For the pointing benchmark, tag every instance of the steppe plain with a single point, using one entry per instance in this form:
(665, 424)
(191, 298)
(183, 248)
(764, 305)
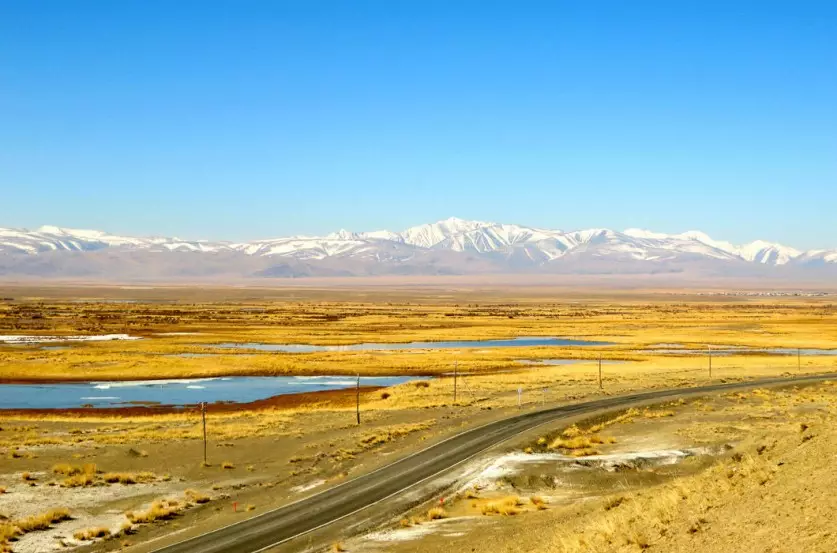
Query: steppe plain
(133, 478)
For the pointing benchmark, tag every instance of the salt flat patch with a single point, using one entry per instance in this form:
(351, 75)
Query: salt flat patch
(85, 504)
(309, 486)
(515, 463)
(38, 542)
(416, 531)
(29, 339)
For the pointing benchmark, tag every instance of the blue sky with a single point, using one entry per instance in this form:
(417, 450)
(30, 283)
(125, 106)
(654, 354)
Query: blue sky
(222, 119)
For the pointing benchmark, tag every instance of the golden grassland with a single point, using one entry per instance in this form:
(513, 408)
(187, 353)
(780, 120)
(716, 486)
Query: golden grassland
(790, 437)
(769, 476)
(630, 322)
(488, 378)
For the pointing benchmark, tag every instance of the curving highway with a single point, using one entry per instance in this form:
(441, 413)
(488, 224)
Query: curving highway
(281, 525)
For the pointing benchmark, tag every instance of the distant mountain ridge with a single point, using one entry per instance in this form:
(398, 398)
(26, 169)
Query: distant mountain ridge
(451, 246)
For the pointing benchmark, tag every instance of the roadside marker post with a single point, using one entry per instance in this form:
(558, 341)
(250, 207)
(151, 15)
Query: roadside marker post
(601, 387)
(799, 359)
(519, 397)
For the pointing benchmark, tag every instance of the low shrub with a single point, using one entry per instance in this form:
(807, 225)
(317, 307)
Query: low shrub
(91, 533)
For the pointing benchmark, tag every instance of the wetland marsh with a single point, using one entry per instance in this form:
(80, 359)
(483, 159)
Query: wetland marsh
(279, 448)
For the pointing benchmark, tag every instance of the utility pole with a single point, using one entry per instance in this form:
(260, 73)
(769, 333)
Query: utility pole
(600, 372)
(455, 367)
(710, 362)
(203, 417)
(357, 398)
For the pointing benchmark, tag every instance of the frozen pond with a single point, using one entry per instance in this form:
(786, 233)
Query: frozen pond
(239, 389)
(523, 342)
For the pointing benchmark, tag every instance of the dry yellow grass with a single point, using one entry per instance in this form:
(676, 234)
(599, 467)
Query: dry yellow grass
(78, 481)
(436, 513)
(576, 443)
(129, 477)
(390, 433)
(91, 533)
(196, 497)
(162, 509)
(621, 318)
(538, 501)
(507, 506)
(73, 470)
(10, 531)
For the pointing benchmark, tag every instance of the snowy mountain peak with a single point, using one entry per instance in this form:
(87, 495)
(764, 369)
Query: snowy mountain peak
(494, 245)
(343, 234)
(642, 233)
(427, 236)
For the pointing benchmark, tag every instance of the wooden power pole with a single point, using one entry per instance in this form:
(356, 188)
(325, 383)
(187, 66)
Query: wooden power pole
(203, 417)
(710, 362)
(455, 370)
(357, 398)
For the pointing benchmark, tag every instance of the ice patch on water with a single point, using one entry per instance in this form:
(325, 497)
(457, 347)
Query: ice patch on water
(140, 383)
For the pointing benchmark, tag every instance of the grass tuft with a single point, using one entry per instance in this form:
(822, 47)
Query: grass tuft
(91, 533)
(162, 509)
(436, 513)
(196, 497)
(538, 501)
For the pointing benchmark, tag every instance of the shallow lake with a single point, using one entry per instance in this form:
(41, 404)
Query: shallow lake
(241, 389)
(523, 342)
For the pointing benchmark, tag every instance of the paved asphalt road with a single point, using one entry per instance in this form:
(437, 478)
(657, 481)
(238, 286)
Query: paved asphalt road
(283, 524)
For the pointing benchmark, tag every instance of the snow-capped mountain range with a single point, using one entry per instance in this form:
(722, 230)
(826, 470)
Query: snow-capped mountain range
(451, 246)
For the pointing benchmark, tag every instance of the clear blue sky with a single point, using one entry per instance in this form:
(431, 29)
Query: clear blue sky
(253, 119)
